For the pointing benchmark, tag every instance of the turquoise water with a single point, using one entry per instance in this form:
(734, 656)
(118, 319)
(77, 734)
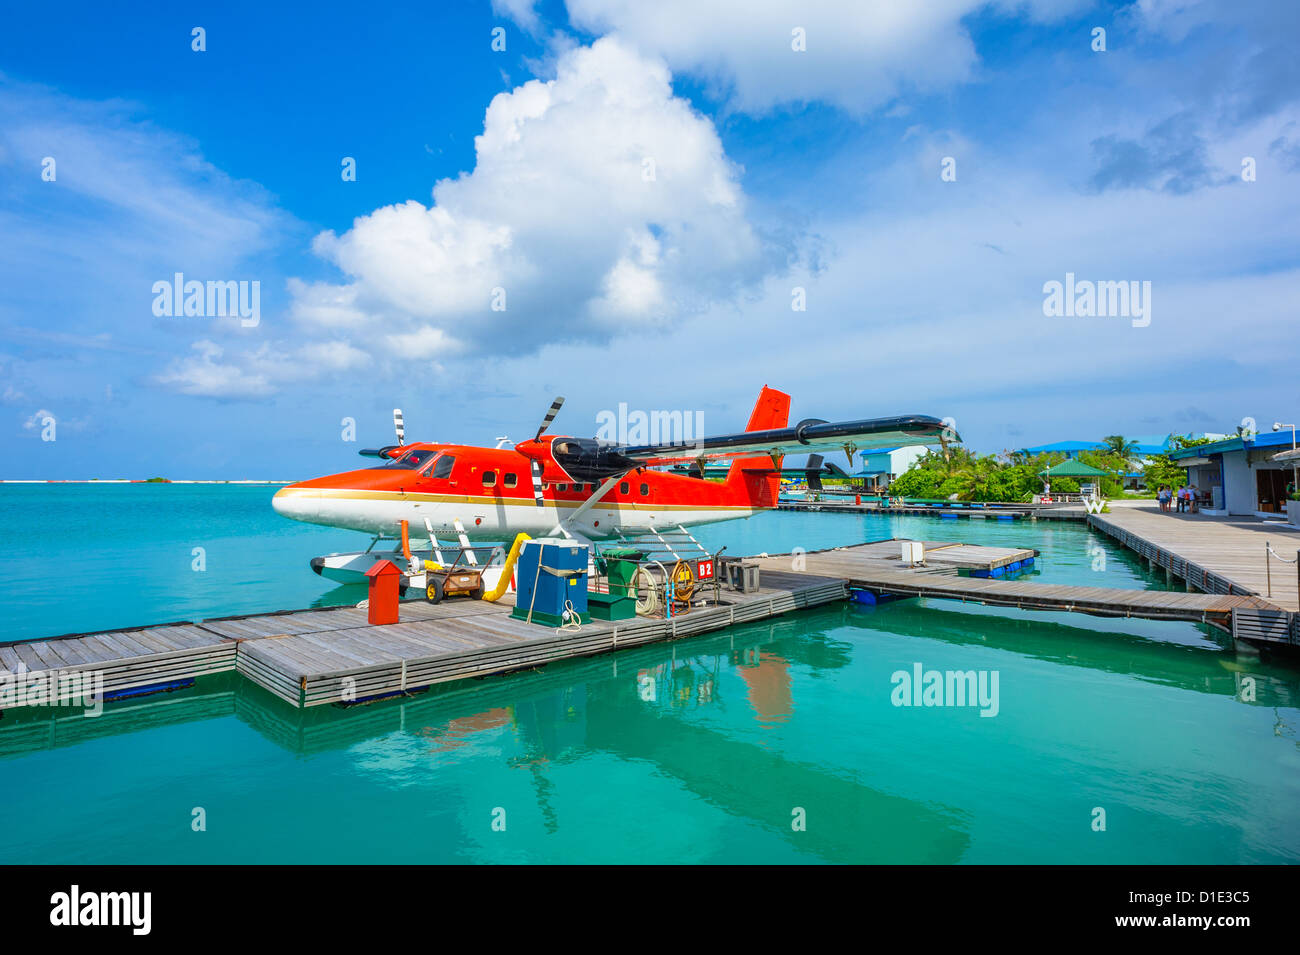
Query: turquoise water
(701, 750)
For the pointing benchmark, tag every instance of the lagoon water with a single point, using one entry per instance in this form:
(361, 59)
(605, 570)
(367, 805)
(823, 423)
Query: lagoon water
(773, 742)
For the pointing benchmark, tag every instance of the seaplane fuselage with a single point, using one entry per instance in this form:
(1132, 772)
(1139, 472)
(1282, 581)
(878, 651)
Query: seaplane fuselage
(490, 493)
(580, 487)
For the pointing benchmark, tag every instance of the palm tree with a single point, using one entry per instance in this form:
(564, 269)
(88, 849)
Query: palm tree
(1118, 445)
(1122, 449)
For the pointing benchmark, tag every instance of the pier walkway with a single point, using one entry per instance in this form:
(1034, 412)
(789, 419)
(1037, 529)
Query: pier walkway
(1220, 555)
(861, 568)
(313, 657)
(333, 655)
(1213, 554)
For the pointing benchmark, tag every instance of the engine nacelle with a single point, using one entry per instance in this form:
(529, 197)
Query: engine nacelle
(575, 459)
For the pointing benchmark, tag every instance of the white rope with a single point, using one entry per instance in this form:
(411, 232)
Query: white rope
(1285, 560)
(650, 605)
(572, 622)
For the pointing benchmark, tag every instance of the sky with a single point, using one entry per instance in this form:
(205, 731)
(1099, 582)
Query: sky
(466, 209)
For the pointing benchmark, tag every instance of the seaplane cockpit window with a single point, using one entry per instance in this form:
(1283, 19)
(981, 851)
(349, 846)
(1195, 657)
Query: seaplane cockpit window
(442, 467)
(411, 460)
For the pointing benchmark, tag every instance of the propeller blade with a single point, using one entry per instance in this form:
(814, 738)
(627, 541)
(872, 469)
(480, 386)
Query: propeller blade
(556, 405)
(537, 481)
(398, 426)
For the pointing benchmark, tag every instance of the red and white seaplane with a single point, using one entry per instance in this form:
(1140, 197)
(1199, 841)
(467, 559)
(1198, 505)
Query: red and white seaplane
(578, 488)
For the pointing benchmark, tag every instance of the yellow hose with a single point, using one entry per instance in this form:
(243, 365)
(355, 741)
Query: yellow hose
(503, 584)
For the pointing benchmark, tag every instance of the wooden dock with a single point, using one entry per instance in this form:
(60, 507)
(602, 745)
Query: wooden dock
(313, 657)
(865, 568)
(126, 659)
(1219, 555)
(459, 639)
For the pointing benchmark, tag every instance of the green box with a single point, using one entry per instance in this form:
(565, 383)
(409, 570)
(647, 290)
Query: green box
(611, 606)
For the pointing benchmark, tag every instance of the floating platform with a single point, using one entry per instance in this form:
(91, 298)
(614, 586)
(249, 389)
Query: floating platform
(313, 657)
(862, 568)
(940, 557)
(1218, 555)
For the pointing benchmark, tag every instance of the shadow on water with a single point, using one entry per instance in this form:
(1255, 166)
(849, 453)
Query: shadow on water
(344, 595)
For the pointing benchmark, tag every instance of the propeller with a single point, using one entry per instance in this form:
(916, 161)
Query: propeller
(399, 427)
(556, 405)
(536, 467)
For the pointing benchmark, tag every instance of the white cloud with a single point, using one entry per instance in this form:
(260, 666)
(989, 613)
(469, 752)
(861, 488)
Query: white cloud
(37, 419)
(325, 306)
(423, 343)
(521, 11)
(126, 194)
(129, 204)
(332, 356)
(858, 54)
(210, 373)
(598, 202)
(931, 302)
(597, 197)
(204, 373)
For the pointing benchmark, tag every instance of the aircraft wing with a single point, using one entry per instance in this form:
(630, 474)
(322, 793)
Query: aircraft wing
(811, 435)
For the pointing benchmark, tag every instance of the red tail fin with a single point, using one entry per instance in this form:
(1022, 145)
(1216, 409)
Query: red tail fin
(772, 410)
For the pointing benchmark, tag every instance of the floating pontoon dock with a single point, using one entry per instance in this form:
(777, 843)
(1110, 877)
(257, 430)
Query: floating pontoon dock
(1212, 554)
(1219, 555)
(327, 656)
(869, 574)
(312, 657)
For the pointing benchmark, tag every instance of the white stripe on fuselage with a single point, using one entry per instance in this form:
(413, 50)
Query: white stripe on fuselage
(486, 520)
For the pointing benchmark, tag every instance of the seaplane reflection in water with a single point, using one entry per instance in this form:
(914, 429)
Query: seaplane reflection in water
(559, 486)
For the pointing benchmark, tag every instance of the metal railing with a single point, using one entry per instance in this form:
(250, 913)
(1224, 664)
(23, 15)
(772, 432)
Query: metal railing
(673, 544)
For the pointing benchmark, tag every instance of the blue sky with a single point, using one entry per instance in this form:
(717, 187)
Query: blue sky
(646, 185)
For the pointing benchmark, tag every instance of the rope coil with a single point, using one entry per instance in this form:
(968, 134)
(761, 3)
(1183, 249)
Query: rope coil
(572, 622)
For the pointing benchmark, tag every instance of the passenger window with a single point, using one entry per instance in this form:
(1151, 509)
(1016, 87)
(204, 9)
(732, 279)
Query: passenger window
(510, 480)
(561, 487)
(623, 488)
(489, 478)
(645, 490)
